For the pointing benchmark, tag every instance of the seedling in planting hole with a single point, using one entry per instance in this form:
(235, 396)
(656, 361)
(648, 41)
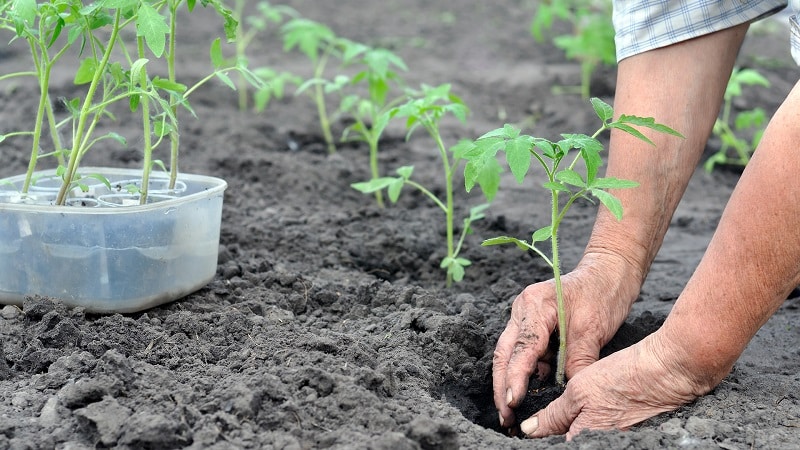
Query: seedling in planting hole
(591, 42)
(427, 109)
(372, 114)
(520, 149)
(250, 27)
(751, 119)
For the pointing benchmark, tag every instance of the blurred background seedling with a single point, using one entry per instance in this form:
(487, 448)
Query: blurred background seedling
(590, 41)
(252, 25)
(735, 148)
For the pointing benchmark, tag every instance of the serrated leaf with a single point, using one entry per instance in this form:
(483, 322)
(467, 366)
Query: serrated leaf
(613, 183)
(518, 156)
(610, 201)
(604, 111)
(506, 132)
(632, 131)
(151, 25)
(569, 176)
(648, 122)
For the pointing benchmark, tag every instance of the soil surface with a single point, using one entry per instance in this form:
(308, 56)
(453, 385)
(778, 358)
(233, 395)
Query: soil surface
(328, 324)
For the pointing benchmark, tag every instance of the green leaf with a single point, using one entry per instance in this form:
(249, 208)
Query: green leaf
(556, 186)
(405, 171)
(376, 184)
(569, 176)
(215, 52)
(632, 131)
(137, 69)
(225, 79)
(542, 234)
(506, 132)
(476, 212)
(167, 85)
(648, 122)
(518, 156)
(610, 201)
(395, 188)
(151, 25)
(23, 13)
(86, 71)
(522, 245)
(309, 36)
(612, 183)
(604, 111)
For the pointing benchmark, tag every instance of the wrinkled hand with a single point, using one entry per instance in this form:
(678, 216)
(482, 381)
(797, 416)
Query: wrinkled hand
(620, 390)
(597, 296)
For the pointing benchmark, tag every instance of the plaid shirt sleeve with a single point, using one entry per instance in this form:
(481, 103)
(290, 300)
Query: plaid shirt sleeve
(644, 25)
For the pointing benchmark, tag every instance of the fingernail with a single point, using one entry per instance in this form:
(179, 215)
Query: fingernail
(509, 397)
(529, 426)
(502, 421)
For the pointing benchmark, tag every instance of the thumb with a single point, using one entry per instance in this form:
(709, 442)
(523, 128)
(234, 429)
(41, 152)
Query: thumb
(556, 418)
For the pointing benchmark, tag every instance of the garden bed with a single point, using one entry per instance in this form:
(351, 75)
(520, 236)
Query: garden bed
(328, 324)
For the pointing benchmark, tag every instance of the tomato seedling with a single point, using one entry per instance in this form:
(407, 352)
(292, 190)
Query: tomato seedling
(251, 26)
(729, 129)
(371, 114)
(591, 41)
(562, 177)
(426, 109)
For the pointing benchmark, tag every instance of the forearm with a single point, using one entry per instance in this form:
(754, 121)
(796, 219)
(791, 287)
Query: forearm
(670, 85)
(753, 260)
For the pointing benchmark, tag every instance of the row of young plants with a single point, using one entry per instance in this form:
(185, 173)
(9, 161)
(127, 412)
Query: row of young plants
(371, 96)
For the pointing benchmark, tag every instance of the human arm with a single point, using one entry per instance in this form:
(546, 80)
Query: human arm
(669, 85)
(750, 266)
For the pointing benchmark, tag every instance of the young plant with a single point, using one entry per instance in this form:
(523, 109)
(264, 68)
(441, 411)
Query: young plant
(249, 28)
(319, 43)
(427, 109)
(372, 113)
(562, 176)
(591, 41)
(754, 120)
(52, 28)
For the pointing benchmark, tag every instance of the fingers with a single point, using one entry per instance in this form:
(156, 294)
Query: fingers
(556, 418)
(520, 352)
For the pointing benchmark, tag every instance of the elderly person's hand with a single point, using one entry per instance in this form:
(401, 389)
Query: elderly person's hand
(621, 390)
(598, 295)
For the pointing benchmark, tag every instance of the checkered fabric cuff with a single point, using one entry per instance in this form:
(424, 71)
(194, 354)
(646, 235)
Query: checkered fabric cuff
(649, 24)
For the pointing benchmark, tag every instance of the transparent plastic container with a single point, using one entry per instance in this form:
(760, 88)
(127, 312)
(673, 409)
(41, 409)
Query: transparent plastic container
(104, 251)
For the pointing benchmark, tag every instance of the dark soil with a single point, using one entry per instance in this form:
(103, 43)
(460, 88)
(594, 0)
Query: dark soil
(328, 325)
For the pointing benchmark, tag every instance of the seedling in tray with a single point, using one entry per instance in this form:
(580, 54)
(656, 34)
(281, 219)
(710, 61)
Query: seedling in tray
(560, 179)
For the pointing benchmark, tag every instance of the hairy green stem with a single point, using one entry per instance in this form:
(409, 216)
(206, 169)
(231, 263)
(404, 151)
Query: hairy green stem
(562, 320)
(147, 147)
(319, 99)
(77, 142)
(174, 135)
